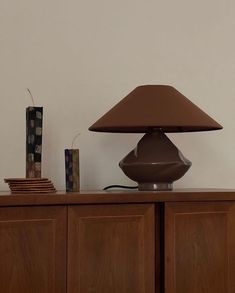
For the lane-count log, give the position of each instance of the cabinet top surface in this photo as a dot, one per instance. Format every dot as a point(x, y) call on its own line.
point(118, 197)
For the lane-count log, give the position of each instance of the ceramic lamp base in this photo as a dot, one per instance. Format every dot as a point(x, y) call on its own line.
point(155, 163)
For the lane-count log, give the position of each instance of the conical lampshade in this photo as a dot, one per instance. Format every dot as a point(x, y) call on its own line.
point(155, 106)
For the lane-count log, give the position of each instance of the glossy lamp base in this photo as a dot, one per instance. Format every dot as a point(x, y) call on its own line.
point(155, 163)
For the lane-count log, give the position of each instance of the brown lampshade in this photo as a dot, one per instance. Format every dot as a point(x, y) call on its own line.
point(155, 106)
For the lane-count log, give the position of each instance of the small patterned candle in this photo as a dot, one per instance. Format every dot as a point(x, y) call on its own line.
point(34, 116)
point(72, 170)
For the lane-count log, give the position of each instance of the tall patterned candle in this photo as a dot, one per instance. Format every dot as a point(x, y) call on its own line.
point(34, 119)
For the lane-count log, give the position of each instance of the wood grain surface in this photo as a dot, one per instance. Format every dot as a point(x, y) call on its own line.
point(111, 249)
point(200, 241)
point(33, 250)
point(110, 197)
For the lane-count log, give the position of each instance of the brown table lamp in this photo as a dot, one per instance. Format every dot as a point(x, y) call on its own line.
point(156, 162)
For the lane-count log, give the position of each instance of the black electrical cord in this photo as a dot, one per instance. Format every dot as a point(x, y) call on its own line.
point(120, 186)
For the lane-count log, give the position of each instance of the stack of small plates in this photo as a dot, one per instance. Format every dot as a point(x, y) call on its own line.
point(30, 185)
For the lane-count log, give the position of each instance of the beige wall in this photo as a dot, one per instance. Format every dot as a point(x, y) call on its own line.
point(80, 57)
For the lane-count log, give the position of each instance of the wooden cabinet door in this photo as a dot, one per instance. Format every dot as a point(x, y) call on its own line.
point(33, 250)
point(200, 247)
point(111, 249)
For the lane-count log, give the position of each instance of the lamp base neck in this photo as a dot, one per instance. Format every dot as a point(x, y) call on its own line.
point(155, 186)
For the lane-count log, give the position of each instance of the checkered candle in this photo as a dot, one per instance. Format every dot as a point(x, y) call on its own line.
point(72, 170)
point(34, 118)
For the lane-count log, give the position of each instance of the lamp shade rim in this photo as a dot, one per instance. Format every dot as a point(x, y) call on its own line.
point(146, 129)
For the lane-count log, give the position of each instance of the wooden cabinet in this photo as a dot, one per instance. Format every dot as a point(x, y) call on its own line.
point(200, 242)
point(33, 250)
point(153, 242)
point(111, 249)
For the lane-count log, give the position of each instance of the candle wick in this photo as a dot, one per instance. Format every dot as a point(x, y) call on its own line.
point(75, 137)
point(31, 96)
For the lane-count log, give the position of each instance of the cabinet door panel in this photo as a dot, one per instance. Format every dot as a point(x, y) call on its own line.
point(200, 241)
point(111, 249)
point(33, 250)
